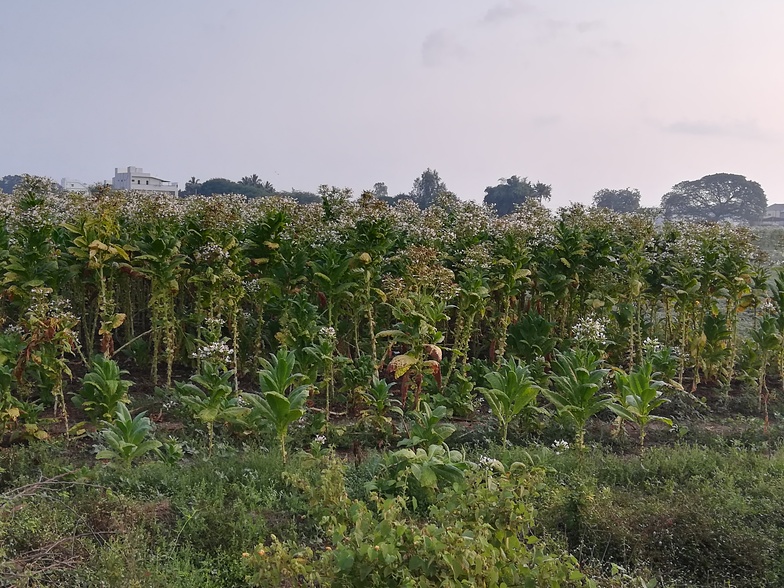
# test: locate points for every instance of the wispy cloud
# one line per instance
(441, 48)
(507, 10)
(748, 129)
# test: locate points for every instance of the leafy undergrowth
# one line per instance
(683, 515)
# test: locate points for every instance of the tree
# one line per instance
(512, 192)
(192, 187)
(622, 200)
(427, 188)
(716, 197)
(302, 196)
(380, 190)
(8, 183)
(252, 180)
(224, 186)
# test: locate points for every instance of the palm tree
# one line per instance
(192, 186)
(251, 180)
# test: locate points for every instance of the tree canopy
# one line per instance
(8, 183)
(250, 186)
(622, 200)
(716, 197)
(427, 188)
(514, 191)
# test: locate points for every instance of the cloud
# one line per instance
(440, 48)
(507, 10)
(748, 129)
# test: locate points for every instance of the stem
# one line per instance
(282, 437)
(581, 438)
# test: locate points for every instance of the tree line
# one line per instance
(715, 197)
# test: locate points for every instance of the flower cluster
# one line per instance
(488, 462)
(218, 352)
(211, 253)
(651, 345)
(591, 329)
(327, 333)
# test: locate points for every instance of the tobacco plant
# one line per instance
(283, 396)
(578, 381)
(510, 392)
(638, 396)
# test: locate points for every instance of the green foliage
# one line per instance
(418, 474)
(250, 186)
(510, 391)
(531, 337)
(428, 427)
(716, 197)
(696, 516)
(622, 200)
(427, 188)
(282, 399)
(478, 533)
(512, 192)
(102, 388)
(211, 398)
(381, 405)
(639, 395)
(127, 438)
(578, 379)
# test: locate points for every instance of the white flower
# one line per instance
(217, 351)
(590, 329)
(327, 333)
(651, 345)
(560, 446)
(488, 462)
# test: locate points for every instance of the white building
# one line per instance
(134, 178)
(775, 211)
(74, 186)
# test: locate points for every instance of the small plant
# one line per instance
(211, 398)
(427, 428)
(171, 451)
(128, 438)
(282, 398)
(511, 391)
(102, 388)
(426, 468)
(380, 405)
(638, 396)
(578, 379)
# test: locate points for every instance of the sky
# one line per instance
(582, 95)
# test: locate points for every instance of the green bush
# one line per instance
(102, 388)
(478, 533)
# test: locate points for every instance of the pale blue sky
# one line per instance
(576, 93)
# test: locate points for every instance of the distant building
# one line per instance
(74, 186)
(134, 178)
(775, 211)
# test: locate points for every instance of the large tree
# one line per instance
(716, 197)
(427, 188)
(380, 190)
(509, 193)
(192, 187)
(623, 200)
(8, 183)
(224, 186)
